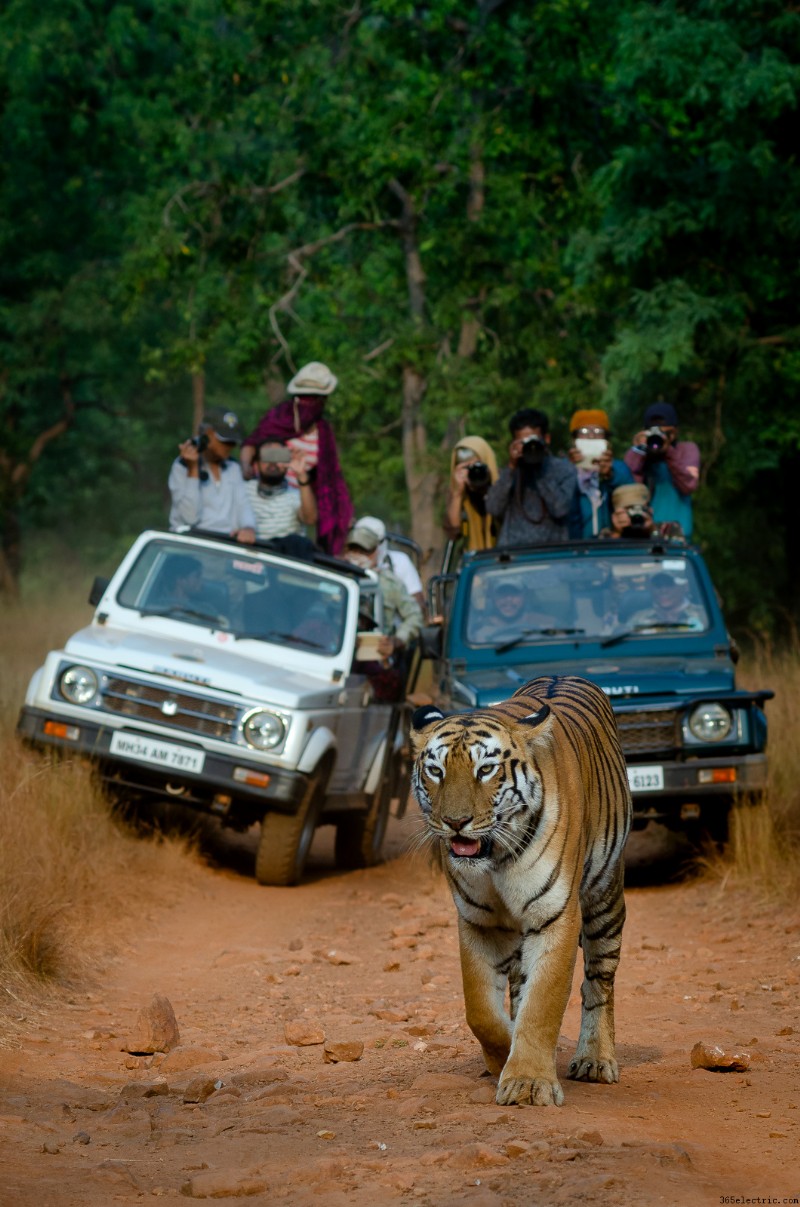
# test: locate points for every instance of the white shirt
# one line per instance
(401, 565)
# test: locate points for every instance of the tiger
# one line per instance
(529, 806)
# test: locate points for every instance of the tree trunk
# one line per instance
(198, 399)
(422, 477)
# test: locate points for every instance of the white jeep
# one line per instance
(235, 679)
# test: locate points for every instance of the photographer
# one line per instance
(206, 487)
(473, 469)
(632, 517)
(599, 473)
(533, 493)
(670, 468)
(280, 509)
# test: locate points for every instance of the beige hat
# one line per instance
(313, 378)
(365, 538)
(635, 494)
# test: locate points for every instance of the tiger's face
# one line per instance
(474, 781)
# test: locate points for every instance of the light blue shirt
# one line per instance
(216, 505)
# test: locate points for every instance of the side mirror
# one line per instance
(431, 641)
(98, 590)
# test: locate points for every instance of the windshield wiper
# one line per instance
(638, 628)
(180, 610)
(509, 645)
(272, 635)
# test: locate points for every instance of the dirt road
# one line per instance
(372, 957)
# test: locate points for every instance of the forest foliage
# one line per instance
(462, 208)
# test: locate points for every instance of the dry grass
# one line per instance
(73, 880)
(764, 842)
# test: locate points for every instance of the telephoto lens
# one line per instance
(478, 474)
(533, 450)
(655, 440)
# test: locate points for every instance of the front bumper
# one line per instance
(688, 783)
(214, 788)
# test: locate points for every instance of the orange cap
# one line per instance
(589, 419)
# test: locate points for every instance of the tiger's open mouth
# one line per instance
(466, 848)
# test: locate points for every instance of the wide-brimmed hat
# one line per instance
(313, 378)
(224, 424)
(364, 538)
(634, 494)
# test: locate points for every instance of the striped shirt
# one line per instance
(276, 510)
(308, 443)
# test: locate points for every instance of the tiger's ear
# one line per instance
(425, 715)
(536, 718)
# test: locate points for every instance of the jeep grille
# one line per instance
(647, 732)
(192, 713)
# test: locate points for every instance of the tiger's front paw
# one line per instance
(586, 1069)
(529, 1091)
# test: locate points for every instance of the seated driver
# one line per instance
(508, 614)
(671, 606)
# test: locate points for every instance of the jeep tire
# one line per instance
(359, 836)
(286, 839)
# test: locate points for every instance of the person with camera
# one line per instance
(599, 474)
(280, 509)
(473, 469)
(533, 493)
(206, 486)
(669, 467)
(632, 517)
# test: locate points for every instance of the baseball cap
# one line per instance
(661, 412)
(363, 537)
(224, 424)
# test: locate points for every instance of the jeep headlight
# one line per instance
(263, 730)
(78, 684)
(710, 723)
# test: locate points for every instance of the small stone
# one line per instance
(50, 1147)
(391, 899)
(425, 1125)
(405, 941)
(81, 1138)
(334, 956)
(517, 1148)
(295, 945)
(481, 1154)
(717, 1060)
(590, 1137)
(144, 1089)
(391, 1016)
(301, 1033)
(200, 1088)
(292, 970)
(786, 1031)
(156, 1028)
(343, 1050)
(326, 1134)
(188, 1056)
(133, 1062)
(763, 1114)
(392, 966)
(222, 1184)
(484, 1093)
(428, 1082)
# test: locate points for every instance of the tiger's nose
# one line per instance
(456, 823)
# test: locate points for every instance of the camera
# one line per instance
(638, 516)
(478, 474)
(654, 440)
(534, 450)
(200, 442)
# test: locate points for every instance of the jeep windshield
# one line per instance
(237, 592)
(606, 598)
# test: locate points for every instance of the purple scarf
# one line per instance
(292, 418)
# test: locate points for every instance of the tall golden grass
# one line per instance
(67, 866)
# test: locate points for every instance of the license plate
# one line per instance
(646, 779)
(161, 754)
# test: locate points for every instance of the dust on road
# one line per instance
(372, 956)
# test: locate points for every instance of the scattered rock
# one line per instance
(81, 1138)
(392, 966)
(51, 1148)
(156, 1028)
(717, 1060)
(224, 1184)
(484, 1093)
(326, 1134)
(590, 1137)
(188, 1057)
(301, 1033)
(343, 1050)
(517, 1148)
(443, 1081)
(334, 956)
(295, 945)
(200, 1088)
(144, 1089)
(264, 1075)
(786, 1031)
(391, 1016)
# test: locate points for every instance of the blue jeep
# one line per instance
(641, 619)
